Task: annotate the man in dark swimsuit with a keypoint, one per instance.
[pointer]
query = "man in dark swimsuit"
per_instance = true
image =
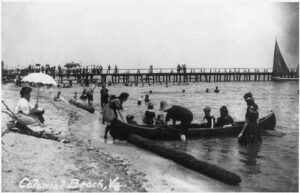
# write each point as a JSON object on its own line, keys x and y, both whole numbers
{"x": 178, "y": 113}
{"x": 104, "y": 96}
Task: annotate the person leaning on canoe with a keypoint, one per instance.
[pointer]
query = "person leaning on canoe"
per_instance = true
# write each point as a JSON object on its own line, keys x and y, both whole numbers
{"x": 58, "y": 97}
{"x": 225, "y": 120}
{"x": 178, "y": 113}
{"x": 250, "y": 132}
{"x": 112, "y": 110}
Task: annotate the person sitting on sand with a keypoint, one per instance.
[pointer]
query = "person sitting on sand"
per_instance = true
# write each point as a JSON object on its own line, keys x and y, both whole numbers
{"x": 208, "y": 120}
{"x": 112, "y": 111}
{"x": 207, "y": 90}
{"x": 75, "y": 96}
{"x": 217, "y": 90}
{"x": 178, "y": 113}
{"x": 58, "y": 97}
{"x": 27, "y": 114}
{"x": 160, "y": 119}
{"x": 149, "y": 115}
{"x": 225, "y": 120}
{"x": 130, "y": 119}
{"x": 83, "y": 95}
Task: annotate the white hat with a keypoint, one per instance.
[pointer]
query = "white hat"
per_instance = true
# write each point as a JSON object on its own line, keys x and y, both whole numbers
{"x": 164, "y": 106}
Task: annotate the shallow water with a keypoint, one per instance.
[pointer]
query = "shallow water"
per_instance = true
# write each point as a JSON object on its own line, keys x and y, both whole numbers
{"x": 271, "y": 167}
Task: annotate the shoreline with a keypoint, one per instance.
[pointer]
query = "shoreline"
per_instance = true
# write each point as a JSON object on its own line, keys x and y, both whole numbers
{"x": 30, "y": 159}
{"x": 88, "y": 158}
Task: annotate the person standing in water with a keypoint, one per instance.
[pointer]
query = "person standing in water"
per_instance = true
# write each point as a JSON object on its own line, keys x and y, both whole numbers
{"x": 90, "y": 93}
{"x": 250, "y": 133}
{"x": 178, "y": 113}
{"x": 104, "y": 96}
{"x": 217, "y": 90}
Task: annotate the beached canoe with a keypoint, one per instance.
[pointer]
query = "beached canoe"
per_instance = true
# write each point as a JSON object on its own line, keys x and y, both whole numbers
{"x": 120, "y": 130}
{"x": 77, "y": 104}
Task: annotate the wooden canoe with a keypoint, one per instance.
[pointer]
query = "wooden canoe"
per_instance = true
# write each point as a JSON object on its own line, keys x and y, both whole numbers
{"x": 120, "y": 130}
{"x": 79, "y": 105}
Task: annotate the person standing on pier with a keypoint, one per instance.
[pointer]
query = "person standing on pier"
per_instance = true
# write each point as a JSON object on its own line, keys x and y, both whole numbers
{"x": 101, "y": 68}
{"x": 116, "y": 69}
{"x": 178, "y": 113}
{"x": 178, "y": 68}
{"x": 250, "y": 132}
{"x": 108, "y": 69}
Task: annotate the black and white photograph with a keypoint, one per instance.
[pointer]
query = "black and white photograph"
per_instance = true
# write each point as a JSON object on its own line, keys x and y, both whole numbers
{"x": 149, "y": 96}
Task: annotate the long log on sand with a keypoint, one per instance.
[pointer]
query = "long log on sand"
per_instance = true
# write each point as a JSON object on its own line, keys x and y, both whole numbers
{"x": 77, "y": 104}
{"x": 186, "y": 160}
{"x": 27, "y": 131}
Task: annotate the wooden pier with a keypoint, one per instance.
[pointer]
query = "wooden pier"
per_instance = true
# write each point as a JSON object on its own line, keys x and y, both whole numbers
{"x": 151, "y": 76}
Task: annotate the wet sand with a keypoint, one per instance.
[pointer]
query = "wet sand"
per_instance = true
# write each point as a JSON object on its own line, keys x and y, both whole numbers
{"x": 87, "y": 158}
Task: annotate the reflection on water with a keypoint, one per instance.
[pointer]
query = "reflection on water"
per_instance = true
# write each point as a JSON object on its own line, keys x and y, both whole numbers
{"x": 273, "y": 166}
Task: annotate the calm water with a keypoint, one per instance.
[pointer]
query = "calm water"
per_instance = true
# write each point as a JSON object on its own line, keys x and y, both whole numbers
{"x": 271, "y": 167}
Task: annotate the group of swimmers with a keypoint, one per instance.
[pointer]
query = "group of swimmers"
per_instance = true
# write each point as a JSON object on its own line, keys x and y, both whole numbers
{"x": 112, "y": 106}
{"x": 249, "y": 134}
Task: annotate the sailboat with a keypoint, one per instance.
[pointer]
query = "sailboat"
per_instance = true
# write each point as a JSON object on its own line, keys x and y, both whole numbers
{"x": 280, "y": 69}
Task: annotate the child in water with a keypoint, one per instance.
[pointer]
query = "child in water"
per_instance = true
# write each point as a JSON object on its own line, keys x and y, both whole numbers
{"x": 160, "y": 120}
{"x": 130, "y": 119}
{"x": 147, "y": 98}
{"x": 149, "y": 115}
{"x": 208, "y": 120}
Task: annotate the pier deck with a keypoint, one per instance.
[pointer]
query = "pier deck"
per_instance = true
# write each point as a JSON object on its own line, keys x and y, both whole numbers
{"x": 162, "y": 75}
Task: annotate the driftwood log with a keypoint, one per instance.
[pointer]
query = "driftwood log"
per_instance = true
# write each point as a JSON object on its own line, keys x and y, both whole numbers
{"x": 77, "y": 104}
{"x": 186, "y": 160}
{"x": 27, "y": 131}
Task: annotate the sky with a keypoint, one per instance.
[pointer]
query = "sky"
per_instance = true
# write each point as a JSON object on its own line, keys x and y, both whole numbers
{"x": 140, "y": 33}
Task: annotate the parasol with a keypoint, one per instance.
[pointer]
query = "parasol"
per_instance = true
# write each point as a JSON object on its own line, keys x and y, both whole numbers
{"x": 39, "y": 78}
{"x": 71, "y": 65}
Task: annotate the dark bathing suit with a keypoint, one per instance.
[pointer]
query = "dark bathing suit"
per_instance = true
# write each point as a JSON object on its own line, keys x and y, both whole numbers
{"x": 181, "y": 114}
{"x": 149, "y": 117}
{"x": 210, "y": 120}
{"x": 224, "y": 121}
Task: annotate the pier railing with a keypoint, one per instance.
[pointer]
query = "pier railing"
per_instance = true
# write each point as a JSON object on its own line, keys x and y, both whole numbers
{"x": 148, "y": 75}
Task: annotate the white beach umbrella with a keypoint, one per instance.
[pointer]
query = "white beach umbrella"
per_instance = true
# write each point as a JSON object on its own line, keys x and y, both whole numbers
{"x": 39, "y": 78}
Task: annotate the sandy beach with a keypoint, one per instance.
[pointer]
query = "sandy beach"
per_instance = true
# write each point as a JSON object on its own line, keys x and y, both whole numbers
{"x": 86, "y": 163}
